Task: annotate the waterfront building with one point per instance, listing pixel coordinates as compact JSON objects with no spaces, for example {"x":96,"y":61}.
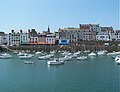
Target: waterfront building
{"x":50,"y":39}
{"x":23,"y":37}
{"x":8,"y":42}
{"x":88,"y":31}
{"x":103,"y":35}
{"x":32,"y":36}
{"x":14,"y":38}
{"x":74,"y":35}
{"x":70,"y":34}
{"x":41,"y":38}
{"x":56,"y":38}
{"x":3,"y":39}
{"x":117,"y":35}
{"x":33,"y":40}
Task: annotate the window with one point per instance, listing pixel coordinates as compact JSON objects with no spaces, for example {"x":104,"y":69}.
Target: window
{"x":23,"y":37}
{"x":102,"y":37}
{"x":72,"y":36}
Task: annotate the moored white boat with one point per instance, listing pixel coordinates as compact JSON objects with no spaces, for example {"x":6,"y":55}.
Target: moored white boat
{"x":28,"y":62}
{"x":82,"y":58}
{"x":20,"y":54}
{"x":42,"y":57}
{"x":92,"y":54}
{"x":118,"y":61}
{"x":55,"y":62}
{"x":87,"y":51}
{"x":65,"y":58}
{"x":77,"y":53}
{"x":45,"y":57}
{"x":5,"y":56}
{"x":38,"y":52}
{"x":26,"y":56}
{"x":112,"y":53}
{"x":117,"y":57}
{"x":101,"y":53}
{"x":118,"y":52}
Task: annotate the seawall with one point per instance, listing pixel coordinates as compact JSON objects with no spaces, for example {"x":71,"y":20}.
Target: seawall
{"x":73,"y":48}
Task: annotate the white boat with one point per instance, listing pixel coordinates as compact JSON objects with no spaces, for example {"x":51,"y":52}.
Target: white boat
{"x":65,"y":58}
{"x":117,"y":57}
{"x":55,"y":62}
{"x":82,"y":58}
{"x":105,"y":51}
{"x":26,"y":56}
{"x":87,"y":51}
{"x":112,"y":53}
{"x":45,"y":57}
{"x":92,"y":54}
{"x":101,"y":53}
{"x":42,"y":57}
{"x":28,"y":62}
{"x":118,"y":61}
{"x":38,"y":52}
{"x":77,"y":53}
{"x":118,"y":52}
{"x":5,"y":56}
{"x":20,"y":54}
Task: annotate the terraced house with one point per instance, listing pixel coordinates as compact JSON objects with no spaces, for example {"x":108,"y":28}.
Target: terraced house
{"x":23,"y":37}
{"x":14,"y":38}
{"x":105,"y":34}
{"x":84,"y":32}
{"x":88,"y":31}
{"x":3,"y":39}
{"x":32,"y":36}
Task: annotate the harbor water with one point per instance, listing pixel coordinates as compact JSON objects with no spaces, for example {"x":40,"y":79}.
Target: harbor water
{"x":99,"y":74}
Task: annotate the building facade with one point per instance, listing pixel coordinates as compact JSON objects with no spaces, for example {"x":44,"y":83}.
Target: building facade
{"x":71,"y":34}
{"x":103,"y":35}
{"x":32,"y":36}
{"x":50,"y":39}
{"x":41,"y":38}
{"x":84,"y":32}
{"x":14,"y":38}
{"x":117,"y":35}
{"x":88,"y":31}
{"x":23,"y":37}
{"x":3,"y":39}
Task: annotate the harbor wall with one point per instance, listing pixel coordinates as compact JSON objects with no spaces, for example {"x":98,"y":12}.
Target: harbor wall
{"x":81,"y":45}
{"x":47,"y":48}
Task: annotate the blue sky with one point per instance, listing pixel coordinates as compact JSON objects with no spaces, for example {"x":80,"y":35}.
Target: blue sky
{"x":38,"y":14}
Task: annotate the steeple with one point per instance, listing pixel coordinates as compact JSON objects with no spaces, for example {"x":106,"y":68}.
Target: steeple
{"x":48,"y":29}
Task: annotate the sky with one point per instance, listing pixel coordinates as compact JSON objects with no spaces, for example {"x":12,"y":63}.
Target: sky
{"x":38,"y":14}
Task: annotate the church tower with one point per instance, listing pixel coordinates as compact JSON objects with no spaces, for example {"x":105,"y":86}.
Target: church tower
{"x":48,"y":29}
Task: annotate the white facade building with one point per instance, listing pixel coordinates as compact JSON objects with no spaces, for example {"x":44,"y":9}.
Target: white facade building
{"x":33,"y":40}
{"x":23,"y":37}
{"x":105,"y":34}
{"x":15,"y":38}
{"x":50,"y":38}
